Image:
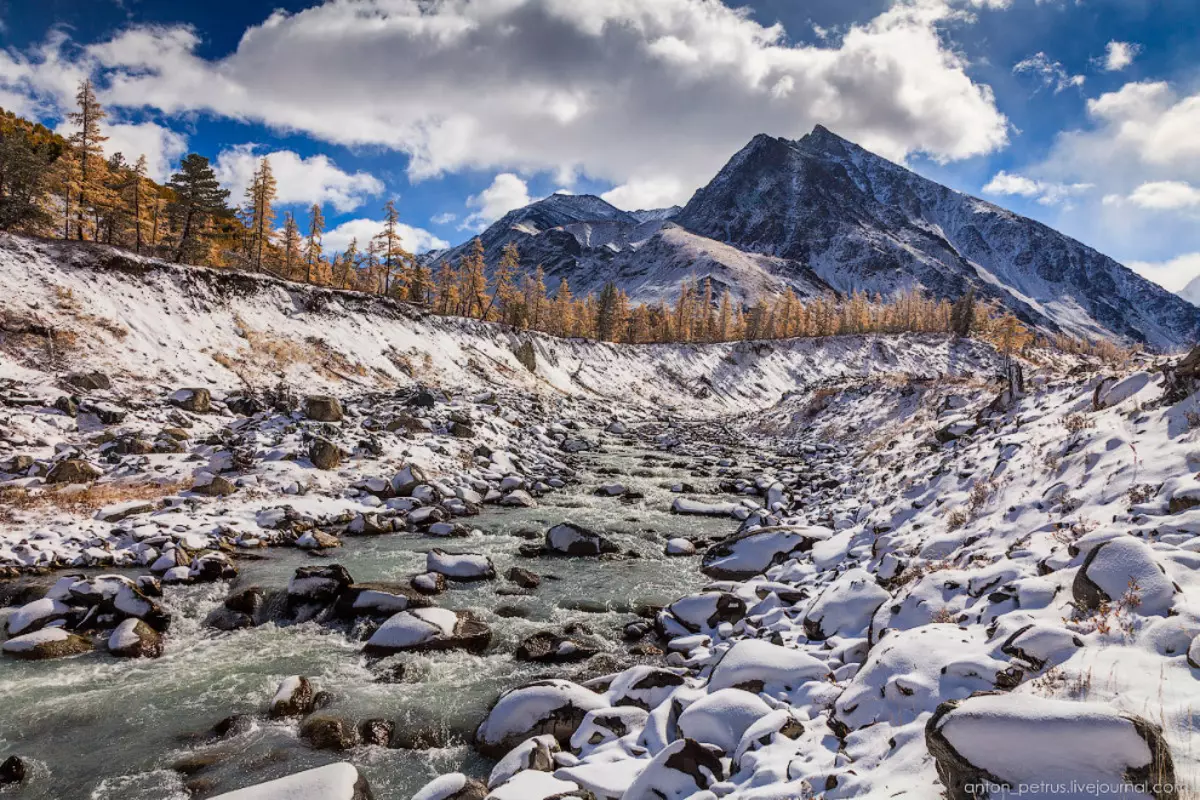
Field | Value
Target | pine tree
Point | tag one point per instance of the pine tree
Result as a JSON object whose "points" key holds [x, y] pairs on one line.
{"points": [[448, 299], [420, 287], [505, 296], [260, 215], [564, 310], [292, 255], [139, 197], [24, 182], [535, 297], [198, 197], [962, 316], [397, 262], [472, 269], [86, 142], [312, 245]]}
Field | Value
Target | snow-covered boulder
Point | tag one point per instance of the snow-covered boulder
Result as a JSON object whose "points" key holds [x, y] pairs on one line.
{"points": [[1120, 566], [555, 707], [574, 540], [680, 547], [1040, 644], [198, 401], [379, 599], [534, 785], [681, 769], [684, 505], [722, 717], [453, 786], [295, 697], [757, 665], [643, 686], [318, 584], [323, 408], [753, 552], [845, 608], [32, 616], [1026, 740], [460, 566], [424, 629], [332, 782], [604, 725], [135, 639], [535, 753], [548, 647], [46, 643], [700, 612]]}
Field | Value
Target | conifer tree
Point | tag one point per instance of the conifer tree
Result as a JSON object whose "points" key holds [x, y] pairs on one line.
{"points": [[448, 299], [198, 197], [139, 198], [87, 145], [292, 255], [535, 297], [472, 269], [312, 245], [259, 215], [397, 262], [564, 309], [505, 297]]}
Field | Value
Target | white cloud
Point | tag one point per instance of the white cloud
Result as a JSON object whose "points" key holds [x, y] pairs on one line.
{"points": [[506, 193], [1173, 274], [1046, 193], [415, 240], [161, 146], [1119, 55], [616, 90], [445, 218], [1052, 74], [299, 180], [1166, 195], [648, 193]]}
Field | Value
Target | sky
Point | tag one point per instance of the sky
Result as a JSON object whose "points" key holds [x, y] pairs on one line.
{"points": [[1083, 114]]}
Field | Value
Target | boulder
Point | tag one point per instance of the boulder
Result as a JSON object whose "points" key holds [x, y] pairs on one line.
{"points": [[454, 786], [45, 644], [547, 647], [376, 732], [379, 599], [339, 781], [427, 629], [135, 639], [1022, 739], [320, 585], [569, 539], [526, 579], [322, 408], [679, 547], [681, 769], [32, 616], [1113, 568], [757, 665], [535, 753], [329, 732], [554, 707], [753, 552], [295, 697], [90, 381], [213, 486], [73, 470], [198, 401], [13, 771], [461, 567], [700, 613], [720, 718], [324, 454], [845, 607]]}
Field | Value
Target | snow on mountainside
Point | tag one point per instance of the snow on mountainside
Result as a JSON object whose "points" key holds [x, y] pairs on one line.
{"points": [[1191, 292], [589, 242], [862, 222], [821, 213]]}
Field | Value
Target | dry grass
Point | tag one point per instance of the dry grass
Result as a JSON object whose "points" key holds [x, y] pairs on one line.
{"points": [[1077, 423], [87, 500]]}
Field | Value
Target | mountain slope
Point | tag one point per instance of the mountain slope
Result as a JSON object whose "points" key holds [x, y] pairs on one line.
{"points": [[589, 242], [1191, 292], [862, 222]]}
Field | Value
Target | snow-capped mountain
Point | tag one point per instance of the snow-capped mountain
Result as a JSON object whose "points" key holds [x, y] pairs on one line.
{"points": [[821, 212], [590, 242], [1191, 292]]}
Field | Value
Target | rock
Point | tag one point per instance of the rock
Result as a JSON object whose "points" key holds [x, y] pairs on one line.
{"points": [[407, 479], [574, 540], [324, 454], [682, 505], [198, 401], [339, 781], [429, 583], [13, 771], [379, 598], [1020, 739], [546, 647], [66, 405], [376, 732], [320, 585], [555, 707], [329, 732], [34, 615], [454, 786], [45, 644], [318, 540], [73, 470], [295, 697], [461, 430], [681, 769], [1111, 567], [753, 552], [89, 381], [700, 613], [605, 725], [720, 718], [643, 686], [460, 566], [575, 445], [845, 607], [757, 665], [234, 725], [135, 639], [322, 408], [518, 498], [526, 579], [427, 629], [680, 547], [244, 404], [120, 511], [535, 753], [214, 486]]}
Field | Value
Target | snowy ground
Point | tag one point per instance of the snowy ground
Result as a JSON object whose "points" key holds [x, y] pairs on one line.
{"points": [[903, 540]]}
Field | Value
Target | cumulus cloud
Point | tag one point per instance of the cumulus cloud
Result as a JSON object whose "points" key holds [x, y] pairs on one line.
{"points": [[445, 218], [1046, 193], [627, 92], [161, 146], [648, 193], [415, 240], [315, 179], [506, 193], [1051, 74], [1166, 195], [1119, 55], [1173, 274]]}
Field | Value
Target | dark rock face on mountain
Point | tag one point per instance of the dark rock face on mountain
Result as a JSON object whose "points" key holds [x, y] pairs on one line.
{"points": [[822, 214], [862, 222]]}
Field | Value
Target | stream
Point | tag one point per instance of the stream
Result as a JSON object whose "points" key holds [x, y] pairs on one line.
{"points": [[98, 728]]}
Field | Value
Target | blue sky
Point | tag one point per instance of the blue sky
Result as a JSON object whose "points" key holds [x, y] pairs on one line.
{"points": [[1081, 113]]}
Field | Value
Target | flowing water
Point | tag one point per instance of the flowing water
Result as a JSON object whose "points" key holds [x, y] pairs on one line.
{"points": [[99, 728]]}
